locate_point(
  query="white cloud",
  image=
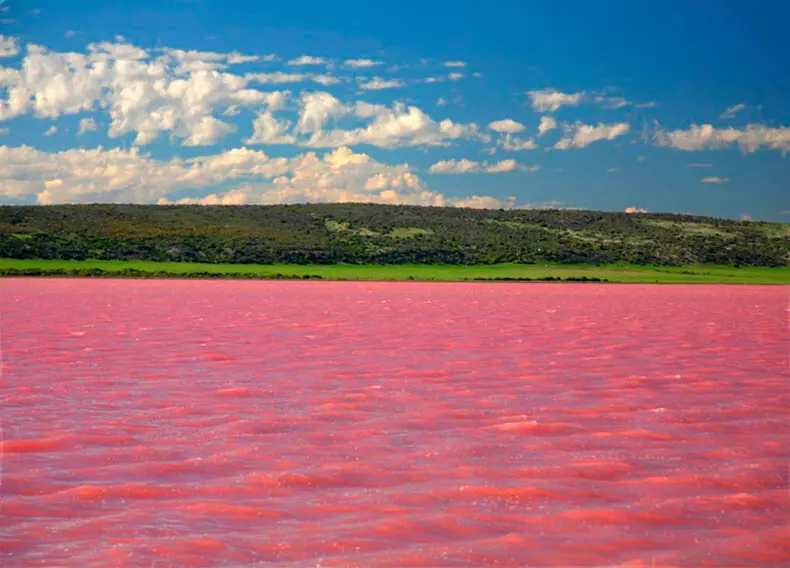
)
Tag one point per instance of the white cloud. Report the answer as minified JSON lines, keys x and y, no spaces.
{"x":441,"y":101}
{"x":635,"y":210}
{"x":386,"y":127}
{"x":470,"y":167}
{"x":485,"y":202}
{"x":506,"y":125}
{"x":511,"y":143}
{"x":269,"y":130}
{"x":51,"y":131}
{"x":70,"y":34}
{"x":732,"y":111}
{"x":547,"y":124}
{"x":279,"y":77}
{"x":233,"y":197}
{"x":276,"y":100}
{"x":317,"y":109}
{"x":715,"y":179}
{"x":325,"y":80}
{"x":582,"y":135}
{"x":377,"y":84}
{"x":307,"y":60}
{"x":612,"y":103}
{"x":87,"y":125}
{"x":128,"y":176}
{"x":184,"y":61}
{"x":550,"y":100}
{"x":177,"y":92}
{"x":612,"y":170}
{"x":455,"y":76}
{"x":616,"y":103}
{"x":706,"y":137}
{"x":698,"y":165}
{"x":455,"y":63}
{"x":9,"y":46}
{"x":361,"y":63}
{"x":641,"y":159}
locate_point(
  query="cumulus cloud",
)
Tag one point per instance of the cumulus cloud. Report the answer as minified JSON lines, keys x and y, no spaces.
{"x":715,"y":179}
{"x":177,"y":92}
{"x":386,"y":127}
{"x":51,"y":131}
{"x":547,"y":124}
{"x":550,"y":100}
{"x":269,"y":130}
{"x":582,"y":135}
{"x":636,"y":210}
{"x":361,"y":63}
{"x":707,"y":137}
{"x":455,"y":76}
{"x":470,"y":167}
{"x":129,"y":176}
{"x":87,"y":125}
{"x":732,"y":111}
{"x":506,"y":125}
{"x":455,"y":63}
{"x":307,"y":60}
{"x":233,"y":197}
{"x":279,"y":77}
{"x":377,"y":84}
{"x":317,"y":109}
{"x":485,"y":202}
{"x":184,"y":61}
{"x":511,"y":143}
{"x":9,"y":46}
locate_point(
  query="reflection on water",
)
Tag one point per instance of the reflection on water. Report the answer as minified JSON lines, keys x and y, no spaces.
{"x":196,"y":423}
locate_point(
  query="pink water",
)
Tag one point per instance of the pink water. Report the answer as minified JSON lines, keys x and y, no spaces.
{"x":197,"y":423}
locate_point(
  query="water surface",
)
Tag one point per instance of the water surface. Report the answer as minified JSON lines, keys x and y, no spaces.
{"x":199,"y":423}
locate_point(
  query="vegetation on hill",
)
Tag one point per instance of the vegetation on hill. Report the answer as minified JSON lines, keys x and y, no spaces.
{"x":383,"y":234}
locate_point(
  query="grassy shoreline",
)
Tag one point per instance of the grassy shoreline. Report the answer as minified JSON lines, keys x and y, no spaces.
{"x":704,"y":274}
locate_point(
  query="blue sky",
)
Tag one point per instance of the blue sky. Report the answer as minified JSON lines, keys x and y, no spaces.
{"x":659,"y":105}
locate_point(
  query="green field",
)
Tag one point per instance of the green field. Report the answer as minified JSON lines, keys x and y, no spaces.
{"x":614,"y":273}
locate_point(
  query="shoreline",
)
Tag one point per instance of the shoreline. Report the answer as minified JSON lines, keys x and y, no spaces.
{"x":180,"y":278}
{"x":503,"y":273}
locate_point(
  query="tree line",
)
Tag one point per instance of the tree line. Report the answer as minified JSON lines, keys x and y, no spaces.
{"x":382,"y":234}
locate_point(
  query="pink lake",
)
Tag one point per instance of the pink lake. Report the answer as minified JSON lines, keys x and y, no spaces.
{"x":222,"y":423}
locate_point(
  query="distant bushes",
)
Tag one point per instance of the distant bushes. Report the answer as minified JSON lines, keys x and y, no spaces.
{"x":134,"y":273}
{"x":546,"y":279}
{"x":382,"y":235}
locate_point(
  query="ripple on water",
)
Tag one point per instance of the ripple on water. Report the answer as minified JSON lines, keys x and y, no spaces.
{"x":197,"y":423}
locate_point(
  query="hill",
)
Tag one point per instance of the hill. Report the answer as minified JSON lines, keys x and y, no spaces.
{"x":383,"y":234}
